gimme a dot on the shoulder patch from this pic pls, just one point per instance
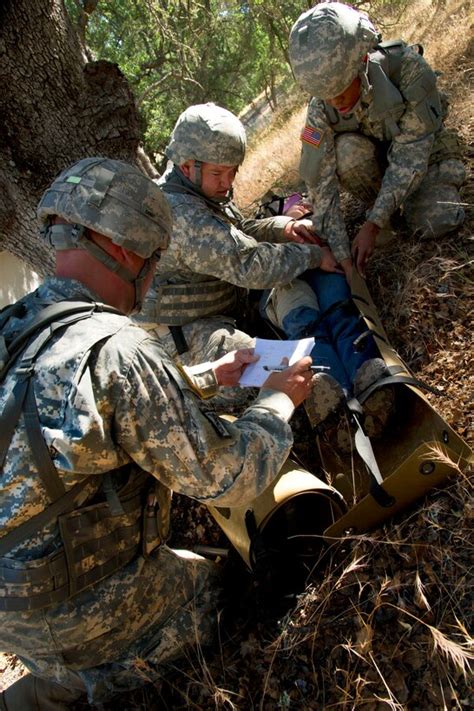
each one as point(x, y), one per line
point(311, 135)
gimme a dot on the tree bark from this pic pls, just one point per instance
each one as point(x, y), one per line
point(55, 108)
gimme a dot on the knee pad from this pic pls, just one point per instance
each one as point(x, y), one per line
point(434, 209)
point(358, 166)
point(291, 297)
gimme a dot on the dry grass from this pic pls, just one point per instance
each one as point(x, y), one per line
point(386, 625)
point(273, 162)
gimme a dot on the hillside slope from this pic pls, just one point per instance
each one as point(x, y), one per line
point(387, 625)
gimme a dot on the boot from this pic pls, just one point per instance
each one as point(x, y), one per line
point(326, 397)
point(380, 405)
point(32, 693)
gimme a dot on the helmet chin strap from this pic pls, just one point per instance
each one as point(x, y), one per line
point(197, 173)
point(365, 85)
point(138, 284)
point(73, 236)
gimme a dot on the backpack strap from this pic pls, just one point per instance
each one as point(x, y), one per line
point(22, 399)
point(64, 313)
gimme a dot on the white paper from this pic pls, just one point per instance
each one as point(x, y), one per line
point(272, 353)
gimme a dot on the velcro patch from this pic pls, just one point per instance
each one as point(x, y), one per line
point(311, 135)
point(217, 423)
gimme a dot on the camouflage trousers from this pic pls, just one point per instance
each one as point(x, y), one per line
point(121, 633)
point(431, 210)
point(208, 339)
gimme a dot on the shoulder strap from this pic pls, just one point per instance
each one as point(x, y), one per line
point(68, 313)
point(22, 399)
point(10, 311)
point(393, 52)
point(60, 314)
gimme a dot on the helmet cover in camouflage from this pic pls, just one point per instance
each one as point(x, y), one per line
point(114, 199)
point(207, 133)
point(327, 46)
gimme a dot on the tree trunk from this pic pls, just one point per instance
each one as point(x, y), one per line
point(55, 108)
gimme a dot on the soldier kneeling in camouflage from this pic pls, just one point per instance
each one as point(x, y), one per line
point(98, 426)
point(214, 253)
point(375, 125)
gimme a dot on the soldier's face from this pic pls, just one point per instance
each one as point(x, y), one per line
point(347, 99)
point(216, 180)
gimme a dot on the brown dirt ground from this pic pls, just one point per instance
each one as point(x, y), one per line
point(386, 624)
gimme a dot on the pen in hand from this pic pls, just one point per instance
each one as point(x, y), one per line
point(280, 368)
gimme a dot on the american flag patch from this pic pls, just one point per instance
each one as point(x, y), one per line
point(312, 135)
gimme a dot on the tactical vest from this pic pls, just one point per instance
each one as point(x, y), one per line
point(179, 304)
point(387, 104)
point(99, 536)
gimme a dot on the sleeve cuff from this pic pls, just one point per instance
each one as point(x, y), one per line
point(378, 217)
point(276, 402)
point(279, 222)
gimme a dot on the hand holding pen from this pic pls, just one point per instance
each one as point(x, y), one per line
point(293, 380)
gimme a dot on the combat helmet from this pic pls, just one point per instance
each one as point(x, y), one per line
point(114, 199)
point(207, 133)
point(327, 45)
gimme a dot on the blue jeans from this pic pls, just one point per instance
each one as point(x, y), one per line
point(334, 329)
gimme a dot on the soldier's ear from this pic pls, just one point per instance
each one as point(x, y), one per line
point(115, 250)
point(187, 168)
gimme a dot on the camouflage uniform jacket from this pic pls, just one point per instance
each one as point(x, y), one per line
point(104, 402)
point(207, 245)
point(411, 101)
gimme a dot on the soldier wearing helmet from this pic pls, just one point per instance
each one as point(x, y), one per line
point(107, 209)
point(374, 126)
point(98, 425)
point(214, 252)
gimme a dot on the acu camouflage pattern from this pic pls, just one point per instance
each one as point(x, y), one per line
point(207, 245)
point(207, 133)
point(207, 242)
point(420, 155)
point(327, 45)
point(108, 401)
point(113, 198)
